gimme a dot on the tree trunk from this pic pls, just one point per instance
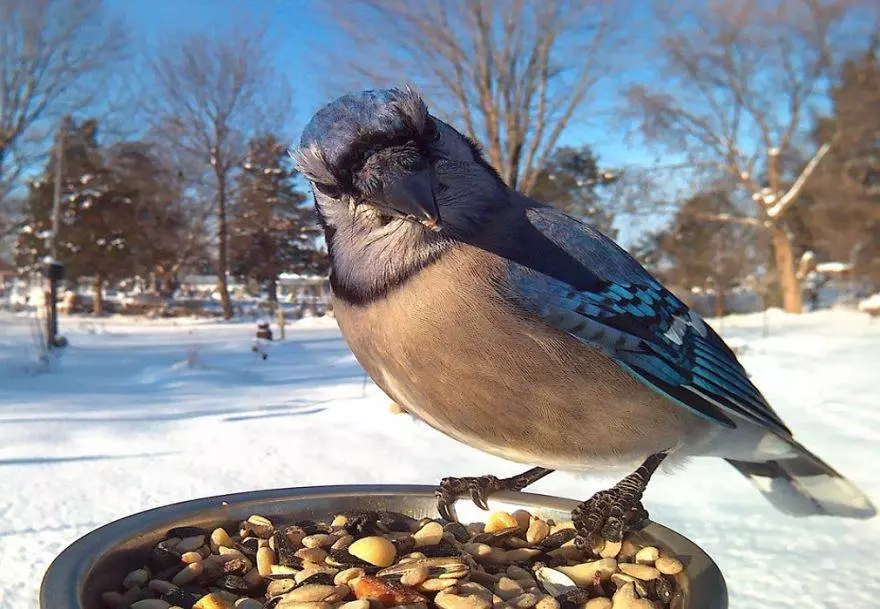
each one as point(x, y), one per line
point(313, 301)
point(98, 287)
point(223, 238)
point(719, 302)
point(273, 290)
point(792, 300)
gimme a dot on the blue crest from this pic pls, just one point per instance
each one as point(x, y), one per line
point(359, 117)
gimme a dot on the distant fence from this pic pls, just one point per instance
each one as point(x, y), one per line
point(197, 295)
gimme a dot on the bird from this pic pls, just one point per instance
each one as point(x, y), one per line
point(524, 332)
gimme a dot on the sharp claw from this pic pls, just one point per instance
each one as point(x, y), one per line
point(441, 509)
point(479, 488)
point(477, 497)
point(446, 507)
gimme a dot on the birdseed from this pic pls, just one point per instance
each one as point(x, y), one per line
point(384, 560)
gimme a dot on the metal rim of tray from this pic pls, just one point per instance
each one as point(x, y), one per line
point(97, 561)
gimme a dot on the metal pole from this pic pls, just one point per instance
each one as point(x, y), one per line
point(52, 315)
point(53, 312)
point(56, 199)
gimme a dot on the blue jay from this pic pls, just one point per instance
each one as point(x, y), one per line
point(521, 331)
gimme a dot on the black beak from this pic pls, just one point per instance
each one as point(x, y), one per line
point(412, 196)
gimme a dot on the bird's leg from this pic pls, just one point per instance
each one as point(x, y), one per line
point(479, 488)
point(611, 513)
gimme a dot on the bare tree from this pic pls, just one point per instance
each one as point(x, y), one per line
point(211, 95)
point(54, 56)
point(514, 73)
point(742, 79)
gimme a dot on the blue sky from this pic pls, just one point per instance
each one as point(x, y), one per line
point(294, 30)
point(297, 30)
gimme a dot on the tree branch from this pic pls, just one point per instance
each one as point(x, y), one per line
point(728, 218)
point(786, 200)
point(514, 74)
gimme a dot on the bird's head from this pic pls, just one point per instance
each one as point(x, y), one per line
point(379, 157)
point(393, 185)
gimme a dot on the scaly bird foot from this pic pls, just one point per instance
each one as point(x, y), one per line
point(607, 515)
point(480, 488)
point(612, 513)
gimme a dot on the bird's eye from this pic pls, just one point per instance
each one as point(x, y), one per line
point(432, 133)
point(328, 190)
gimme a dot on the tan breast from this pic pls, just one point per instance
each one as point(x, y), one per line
point(450, 350)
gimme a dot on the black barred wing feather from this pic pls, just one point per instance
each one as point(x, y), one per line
point(646, 329)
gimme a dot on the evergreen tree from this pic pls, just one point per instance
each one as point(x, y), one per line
point(162, 243)
point(843, 211)
point(90, 198)
point(273, 229)
point(99, 224)
point(571, 180)
point(694, 253)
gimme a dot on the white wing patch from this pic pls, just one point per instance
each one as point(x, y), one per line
point(697, 323)
point(679, 326)
point(676, 331)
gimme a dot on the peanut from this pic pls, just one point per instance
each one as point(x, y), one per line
point(265, 560)
point(188, 574)
point(643, 572)
point(498, 521)
point(647, 555)
point(191, 557)
point(537, 531)
point(668, 565)
point(584, 573)
point(318, 541)
point(343, 577)
point(610, 549)
point(523, 519)
point(214, 601)
point(311, 554)
point(375, 550)
point(429, 535)
point(507, 588)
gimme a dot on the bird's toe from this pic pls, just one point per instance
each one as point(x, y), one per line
point(608, 515)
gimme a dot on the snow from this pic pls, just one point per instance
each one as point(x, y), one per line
point(833, 267)
point(871, 303)
point(124, 424)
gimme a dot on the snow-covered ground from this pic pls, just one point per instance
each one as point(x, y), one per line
point(122, 425)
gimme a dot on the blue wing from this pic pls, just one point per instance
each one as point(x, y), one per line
point(599, 294)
